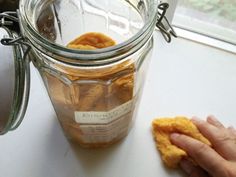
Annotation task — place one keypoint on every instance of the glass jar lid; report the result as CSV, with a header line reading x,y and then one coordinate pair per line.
x,y
14,81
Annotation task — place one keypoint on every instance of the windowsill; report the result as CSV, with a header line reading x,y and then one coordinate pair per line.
x,y
203,39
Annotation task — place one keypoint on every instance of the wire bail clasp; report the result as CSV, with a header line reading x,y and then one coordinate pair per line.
x,y
17,41
163,24
7,20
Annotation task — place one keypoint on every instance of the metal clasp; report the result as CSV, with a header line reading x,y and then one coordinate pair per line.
x,y
6,16
17,41
163,24
7,19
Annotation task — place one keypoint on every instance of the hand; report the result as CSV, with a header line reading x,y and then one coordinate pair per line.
x,y
217,162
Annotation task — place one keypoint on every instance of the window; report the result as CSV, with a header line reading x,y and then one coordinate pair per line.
x,y
214,18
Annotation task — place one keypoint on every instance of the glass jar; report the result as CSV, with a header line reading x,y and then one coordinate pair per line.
x,y
95,93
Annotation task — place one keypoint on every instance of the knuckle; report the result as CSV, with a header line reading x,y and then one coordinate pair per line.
x,y
225,137
221,169
201,149
198,173
231,171
194,174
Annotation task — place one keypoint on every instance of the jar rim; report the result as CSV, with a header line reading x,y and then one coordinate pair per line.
x,y
60,50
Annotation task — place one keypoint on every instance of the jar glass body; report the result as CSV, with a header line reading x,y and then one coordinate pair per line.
x,y
96,106
95,93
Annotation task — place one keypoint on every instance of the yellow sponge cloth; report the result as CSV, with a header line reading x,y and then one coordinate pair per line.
x,y
163,127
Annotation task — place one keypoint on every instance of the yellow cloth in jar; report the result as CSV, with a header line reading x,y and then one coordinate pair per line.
x,y
91,41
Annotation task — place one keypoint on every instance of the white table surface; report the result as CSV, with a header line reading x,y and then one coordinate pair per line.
x,y
184,78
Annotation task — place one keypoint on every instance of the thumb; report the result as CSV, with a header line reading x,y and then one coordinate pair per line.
x,y
206,157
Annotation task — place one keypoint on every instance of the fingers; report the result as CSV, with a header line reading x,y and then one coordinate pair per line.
x,y
192,170
213,121
232,130
223,140
201,153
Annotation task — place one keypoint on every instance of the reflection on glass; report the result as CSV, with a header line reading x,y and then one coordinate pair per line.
x,y
63,21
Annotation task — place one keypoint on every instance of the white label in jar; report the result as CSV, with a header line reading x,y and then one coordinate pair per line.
x,y
103,117
107,132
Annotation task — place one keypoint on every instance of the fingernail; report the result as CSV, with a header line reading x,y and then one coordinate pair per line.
x,y
196,119
174,135
213,118
231,128
186,166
